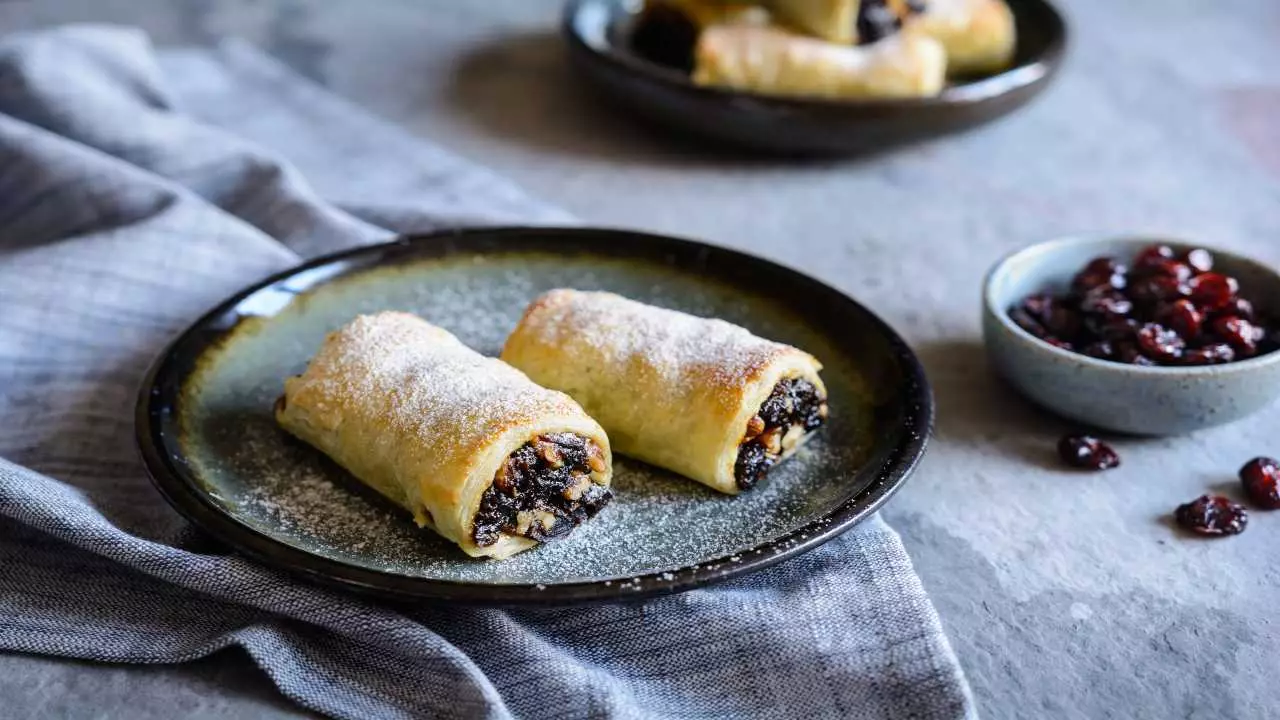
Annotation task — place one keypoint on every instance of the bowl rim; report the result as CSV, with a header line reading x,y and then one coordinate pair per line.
x,y
992,308
1033,70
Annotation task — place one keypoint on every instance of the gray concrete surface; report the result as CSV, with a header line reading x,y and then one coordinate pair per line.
x,y
1065,595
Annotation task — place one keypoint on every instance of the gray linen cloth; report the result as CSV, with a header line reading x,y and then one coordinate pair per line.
x,y
136,190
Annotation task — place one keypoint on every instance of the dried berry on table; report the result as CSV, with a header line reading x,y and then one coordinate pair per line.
x,y
1087,452
1261,479
1212,515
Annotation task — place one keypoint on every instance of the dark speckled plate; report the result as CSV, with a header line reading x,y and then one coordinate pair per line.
x,y
210,442
646,70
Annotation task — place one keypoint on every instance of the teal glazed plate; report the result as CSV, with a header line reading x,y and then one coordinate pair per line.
x,y
210,442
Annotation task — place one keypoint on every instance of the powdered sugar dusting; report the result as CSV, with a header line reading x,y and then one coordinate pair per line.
x,y
658,522
679,348
436,389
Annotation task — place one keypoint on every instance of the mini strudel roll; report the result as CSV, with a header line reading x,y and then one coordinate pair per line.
x,y
700,397
468,444
979,35
775,61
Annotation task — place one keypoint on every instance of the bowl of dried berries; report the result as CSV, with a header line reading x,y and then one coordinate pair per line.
x,y
1139,335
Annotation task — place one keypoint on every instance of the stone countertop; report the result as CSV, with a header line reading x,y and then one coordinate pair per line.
x,y
1065,594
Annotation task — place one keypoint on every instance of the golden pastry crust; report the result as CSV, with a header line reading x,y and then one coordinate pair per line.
x,y
775,61
426,421
671,389
831,20
979,35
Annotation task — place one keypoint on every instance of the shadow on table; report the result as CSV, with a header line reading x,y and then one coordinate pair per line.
x,y
975,407
521,88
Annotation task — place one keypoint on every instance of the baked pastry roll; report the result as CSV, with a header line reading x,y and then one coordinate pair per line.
x,y
845,22
775,61
468,444
700,397
979,35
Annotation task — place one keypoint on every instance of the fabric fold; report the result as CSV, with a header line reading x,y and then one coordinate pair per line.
x,y
136,190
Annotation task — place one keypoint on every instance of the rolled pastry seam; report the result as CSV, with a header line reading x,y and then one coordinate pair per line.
x,y
700,397
979,36
468,444
776,61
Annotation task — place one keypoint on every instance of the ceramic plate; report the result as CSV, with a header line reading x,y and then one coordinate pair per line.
x,y
648,72
210,442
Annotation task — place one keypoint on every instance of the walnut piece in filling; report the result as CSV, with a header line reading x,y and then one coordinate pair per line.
x,y
545,489
793,410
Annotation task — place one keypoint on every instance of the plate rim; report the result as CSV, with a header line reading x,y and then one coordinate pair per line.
x,y
1036,71
196,506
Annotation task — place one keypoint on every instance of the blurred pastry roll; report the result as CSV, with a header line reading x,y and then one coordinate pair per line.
x,y
776,61
701,397
468,444
978,36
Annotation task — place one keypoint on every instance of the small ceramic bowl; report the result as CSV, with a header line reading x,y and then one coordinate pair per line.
x,y
1114,396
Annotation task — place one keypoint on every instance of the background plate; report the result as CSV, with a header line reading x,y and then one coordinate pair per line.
x,y
210,442
646,78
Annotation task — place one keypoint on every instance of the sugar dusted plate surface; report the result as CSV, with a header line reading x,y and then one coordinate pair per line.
x,y
207,433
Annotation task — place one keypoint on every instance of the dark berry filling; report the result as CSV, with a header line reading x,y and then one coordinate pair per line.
x,y
545,489
876,21
792,410
1212,515
1165,308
